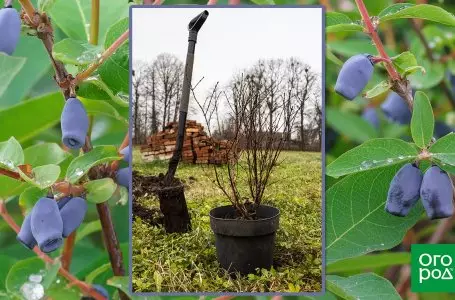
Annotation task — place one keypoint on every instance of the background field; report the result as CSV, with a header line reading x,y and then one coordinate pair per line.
x,y
187,262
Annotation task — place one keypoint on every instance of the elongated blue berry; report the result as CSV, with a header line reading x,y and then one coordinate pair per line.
x,y
441,129
354,76
62,202
10,27
371,116
396,109
123,177
74,121
126,154
404,190
437,193
73,214
47,225
25,235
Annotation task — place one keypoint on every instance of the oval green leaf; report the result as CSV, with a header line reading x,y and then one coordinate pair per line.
x,y
351,125
337,22
370,155
82,164
422,122
421,11
11,154
100,190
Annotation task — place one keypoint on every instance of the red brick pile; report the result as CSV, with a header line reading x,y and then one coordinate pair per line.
x,y
198,147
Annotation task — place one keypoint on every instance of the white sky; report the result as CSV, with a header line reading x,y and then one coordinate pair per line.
x,y
231,39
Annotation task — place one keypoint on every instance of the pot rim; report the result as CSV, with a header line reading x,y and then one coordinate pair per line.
x,y
236,220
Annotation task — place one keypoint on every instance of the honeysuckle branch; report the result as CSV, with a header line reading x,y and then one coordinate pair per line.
x,y
85,288
399,85
67,253
95,22
371,30
105,55
67,84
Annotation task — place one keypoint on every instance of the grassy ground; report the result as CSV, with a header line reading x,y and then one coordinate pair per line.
x,y
187,262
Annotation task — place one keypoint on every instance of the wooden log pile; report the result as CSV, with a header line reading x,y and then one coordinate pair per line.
x,y
198,147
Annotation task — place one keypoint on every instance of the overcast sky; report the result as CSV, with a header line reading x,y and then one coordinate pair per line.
x,y
231,39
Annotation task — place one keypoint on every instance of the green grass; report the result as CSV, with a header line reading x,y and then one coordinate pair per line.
x,y
187,262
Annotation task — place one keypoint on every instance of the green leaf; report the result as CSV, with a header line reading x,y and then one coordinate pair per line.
x,y
73,17
42,176
20,271
336,22
372,154
422,122
406,63
412,70
379,89
356,222
122,283
45,5
11,65
351,125
434,74
421,11
98,107
443,151
51,274
263,2
6,262
87,229
115,70
11,187
36,65
94,88
11,154
352,47
362,286
100,270
82,164
368,262
100,190
29,118
75,52
45,154
29,197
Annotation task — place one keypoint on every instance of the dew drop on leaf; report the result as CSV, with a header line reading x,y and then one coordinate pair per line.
x,y
32,291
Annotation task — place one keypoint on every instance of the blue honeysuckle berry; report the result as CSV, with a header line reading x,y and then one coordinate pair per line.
x,y
127,154
25,235
371,116
354,76
404,190
10,28
47,225
73,214
441,129
74,123
123,177
396,109
437,193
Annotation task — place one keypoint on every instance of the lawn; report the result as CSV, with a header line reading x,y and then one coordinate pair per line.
x,y
187,262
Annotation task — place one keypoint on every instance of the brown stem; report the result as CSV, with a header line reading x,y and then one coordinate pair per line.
x,y
11,174
105,55
377,41
68,251
111,242
85,288
28,8
95,22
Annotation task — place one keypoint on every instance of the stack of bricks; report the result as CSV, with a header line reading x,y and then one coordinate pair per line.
x,y
197,146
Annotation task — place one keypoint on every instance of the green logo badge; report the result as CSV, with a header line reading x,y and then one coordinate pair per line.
x,y
433,268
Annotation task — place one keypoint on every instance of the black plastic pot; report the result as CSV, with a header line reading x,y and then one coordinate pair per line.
x,y
244,245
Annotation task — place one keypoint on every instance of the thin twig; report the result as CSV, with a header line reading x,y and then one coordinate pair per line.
x,y
72,280
105,55
67,253
377,41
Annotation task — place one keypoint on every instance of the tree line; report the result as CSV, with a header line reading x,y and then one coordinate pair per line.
x,y
286,95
